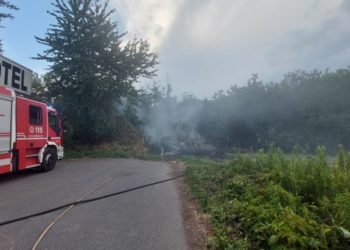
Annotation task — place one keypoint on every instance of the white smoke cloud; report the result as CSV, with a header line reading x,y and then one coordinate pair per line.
x,y
207,45
148,19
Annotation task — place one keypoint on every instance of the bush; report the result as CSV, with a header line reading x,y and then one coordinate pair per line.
x,y
275,201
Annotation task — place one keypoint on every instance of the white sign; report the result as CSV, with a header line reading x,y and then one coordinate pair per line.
x,y
15,76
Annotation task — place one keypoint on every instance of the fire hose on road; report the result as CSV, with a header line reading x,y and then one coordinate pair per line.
x,y
80,202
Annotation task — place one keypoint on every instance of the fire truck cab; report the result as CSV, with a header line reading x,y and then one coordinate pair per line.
x,y
30,134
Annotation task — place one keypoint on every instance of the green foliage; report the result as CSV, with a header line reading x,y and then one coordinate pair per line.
x,y
302,111
111,150
96,153
130,112
275,201
305,109
7,5
39,91
92,68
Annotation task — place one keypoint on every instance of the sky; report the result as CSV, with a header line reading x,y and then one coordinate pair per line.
x,y
209,45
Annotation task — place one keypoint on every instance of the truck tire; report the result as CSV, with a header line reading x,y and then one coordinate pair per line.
x,y
49,160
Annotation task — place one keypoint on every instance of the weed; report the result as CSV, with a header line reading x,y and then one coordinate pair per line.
x,y
275,201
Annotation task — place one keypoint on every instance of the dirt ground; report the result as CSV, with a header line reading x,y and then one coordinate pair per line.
x,y
197,224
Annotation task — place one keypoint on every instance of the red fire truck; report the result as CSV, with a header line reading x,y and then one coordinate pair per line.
x,y
30,131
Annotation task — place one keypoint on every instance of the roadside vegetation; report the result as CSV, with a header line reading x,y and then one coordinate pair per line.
x,y
304,109
110,150
275,201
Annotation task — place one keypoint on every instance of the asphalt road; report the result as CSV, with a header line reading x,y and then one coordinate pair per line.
x,y
148,218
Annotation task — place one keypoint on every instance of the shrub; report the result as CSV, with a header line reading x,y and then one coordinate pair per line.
x,y
275,201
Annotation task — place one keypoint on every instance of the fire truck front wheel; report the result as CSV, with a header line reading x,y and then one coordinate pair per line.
x,y
49,160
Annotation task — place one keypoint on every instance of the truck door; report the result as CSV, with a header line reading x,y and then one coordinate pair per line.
x,y
5,133
32,127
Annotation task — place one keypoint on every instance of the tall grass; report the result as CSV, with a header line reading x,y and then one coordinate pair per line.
x,y
276,201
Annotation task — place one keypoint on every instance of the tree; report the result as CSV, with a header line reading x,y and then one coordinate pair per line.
x,y
39,91
8,5
305,109
91,67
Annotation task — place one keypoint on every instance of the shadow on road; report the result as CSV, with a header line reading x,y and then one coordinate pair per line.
x,y
12,177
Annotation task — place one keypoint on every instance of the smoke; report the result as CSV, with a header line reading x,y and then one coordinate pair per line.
x,y
148,19
171,125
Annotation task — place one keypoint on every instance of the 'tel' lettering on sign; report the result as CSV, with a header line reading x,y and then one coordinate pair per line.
x,y
15,76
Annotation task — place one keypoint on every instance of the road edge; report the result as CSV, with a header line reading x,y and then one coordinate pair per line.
x,y
196,223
